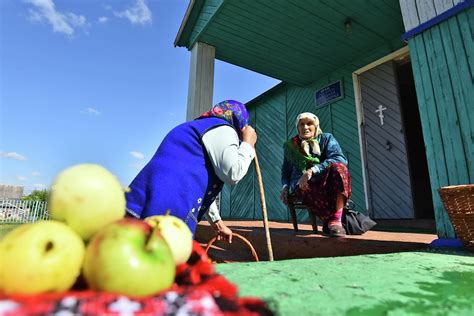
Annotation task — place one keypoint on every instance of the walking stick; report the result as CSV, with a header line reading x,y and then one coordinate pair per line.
x,y
264,209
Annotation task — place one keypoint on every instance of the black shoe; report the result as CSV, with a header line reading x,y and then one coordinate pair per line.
x,y
337,230
326,228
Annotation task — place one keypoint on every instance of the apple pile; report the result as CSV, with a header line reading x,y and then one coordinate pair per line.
x,y
89,235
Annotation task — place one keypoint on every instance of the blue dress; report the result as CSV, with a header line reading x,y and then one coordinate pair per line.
x,y
179,178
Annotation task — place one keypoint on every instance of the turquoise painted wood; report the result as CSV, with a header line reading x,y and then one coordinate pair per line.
x,y
305,44
205,16
242,202
225,201
271,131
275,115
242,197
442,64
261,35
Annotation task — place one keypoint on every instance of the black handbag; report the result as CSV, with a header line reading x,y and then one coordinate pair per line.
x,y
354,222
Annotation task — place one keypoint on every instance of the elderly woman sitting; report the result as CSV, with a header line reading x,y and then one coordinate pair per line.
x,y
315,170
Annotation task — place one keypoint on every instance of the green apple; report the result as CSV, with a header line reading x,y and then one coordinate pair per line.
x,y
87,197
176,233
129,257
45,256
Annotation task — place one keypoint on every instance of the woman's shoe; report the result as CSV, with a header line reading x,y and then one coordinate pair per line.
x,y
326,228
337,231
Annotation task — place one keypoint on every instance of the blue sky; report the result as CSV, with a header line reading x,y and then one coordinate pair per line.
x,y
95,81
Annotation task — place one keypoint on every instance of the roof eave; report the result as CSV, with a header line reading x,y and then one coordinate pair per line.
x,y
187,25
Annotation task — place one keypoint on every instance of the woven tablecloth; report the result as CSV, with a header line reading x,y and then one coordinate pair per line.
x,y
198,290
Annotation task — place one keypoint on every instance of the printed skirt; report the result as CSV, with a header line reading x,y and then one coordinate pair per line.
x,y
323,189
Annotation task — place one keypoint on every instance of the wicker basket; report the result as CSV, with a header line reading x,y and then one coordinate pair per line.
x,y
459,203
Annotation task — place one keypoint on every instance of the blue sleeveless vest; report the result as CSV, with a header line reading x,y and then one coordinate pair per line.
x,y
179,178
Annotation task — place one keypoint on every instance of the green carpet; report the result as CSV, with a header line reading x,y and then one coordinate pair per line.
x,y
412,283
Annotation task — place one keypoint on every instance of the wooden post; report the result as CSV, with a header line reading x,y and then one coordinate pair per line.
x,y
264,210
201,80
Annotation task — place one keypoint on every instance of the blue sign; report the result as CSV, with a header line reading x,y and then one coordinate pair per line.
x,y
330,93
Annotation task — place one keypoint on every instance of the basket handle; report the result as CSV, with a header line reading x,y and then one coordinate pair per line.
x,y
252,249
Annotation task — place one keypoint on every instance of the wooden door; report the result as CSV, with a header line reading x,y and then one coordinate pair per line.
x,y
390,194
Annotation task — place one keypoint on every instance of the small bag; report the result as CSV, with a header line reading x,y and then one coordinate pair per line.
x,y
355,223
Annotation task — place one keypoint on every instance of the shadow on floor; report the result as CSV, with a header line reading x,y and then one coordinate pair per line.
x,y
288,244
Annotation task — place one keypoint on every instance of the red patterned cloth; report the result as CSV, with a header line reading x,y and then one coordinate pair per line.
x,y
198,290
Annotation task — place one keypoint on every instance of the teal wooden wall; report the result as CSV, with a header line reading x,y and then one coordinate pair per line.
x,y
443,66
273,117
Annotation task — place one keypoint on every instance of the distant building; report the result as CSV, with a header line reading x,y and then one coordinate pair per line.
x,y
11,192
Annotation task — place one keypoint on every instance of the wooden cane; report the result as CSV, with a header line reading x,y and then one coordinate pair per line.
x,y
264,210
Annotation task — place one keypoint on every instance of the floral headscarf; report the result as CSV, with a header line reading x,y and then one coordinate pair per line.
x,y
232,111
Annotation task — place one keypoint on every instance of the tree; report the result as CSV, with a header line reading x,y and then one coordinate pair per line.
x,y
37,195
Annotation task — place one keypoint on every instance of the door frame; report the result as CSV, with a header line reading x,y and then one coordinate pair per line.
x,y
400,53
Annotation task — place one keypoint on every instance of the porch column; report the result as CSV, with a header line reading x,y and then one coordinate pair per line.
x,y
201,80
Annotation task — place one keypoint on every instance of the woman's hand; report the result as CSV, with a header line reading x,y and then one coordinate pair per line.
x,y
249,135
284,195
222,231
303,182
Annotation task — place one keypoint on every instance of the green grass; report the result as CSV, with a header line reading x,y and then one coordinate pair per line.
x,y
6,228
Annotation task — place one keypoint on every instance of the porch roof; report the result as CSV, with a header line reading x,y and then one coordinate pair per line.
x,y
291,40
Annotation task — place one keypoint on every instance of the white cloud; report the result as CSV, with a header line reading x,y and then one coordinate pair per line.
x,y
35,173
139,13
102,19
137,165
12,155
21,178
91,111
39,186
62,22
137,155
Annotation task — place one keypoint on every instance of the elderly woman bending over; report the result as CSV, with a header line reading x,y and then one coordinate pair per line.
x,y
192,164
315,170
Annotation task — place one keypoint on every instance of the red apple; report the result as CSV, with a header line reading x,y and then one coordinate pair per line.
x,y
129,257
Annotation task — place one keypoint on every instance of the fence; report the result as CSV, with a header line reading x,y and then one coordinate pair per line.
x,y
18,211
14,213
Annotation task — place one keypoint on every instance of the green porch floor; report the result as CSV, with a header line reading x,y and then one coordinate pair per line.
x,y
435,282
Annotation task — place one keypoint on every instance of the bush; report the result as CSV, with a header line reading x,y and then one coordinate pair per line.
x,y
37,195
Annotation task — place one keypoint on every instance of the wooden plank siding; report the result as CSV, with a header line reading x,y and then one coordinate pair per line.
x,y
275,116
307,45
442,59
260,35
271,129
242,196
416,12
208,10
224,201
